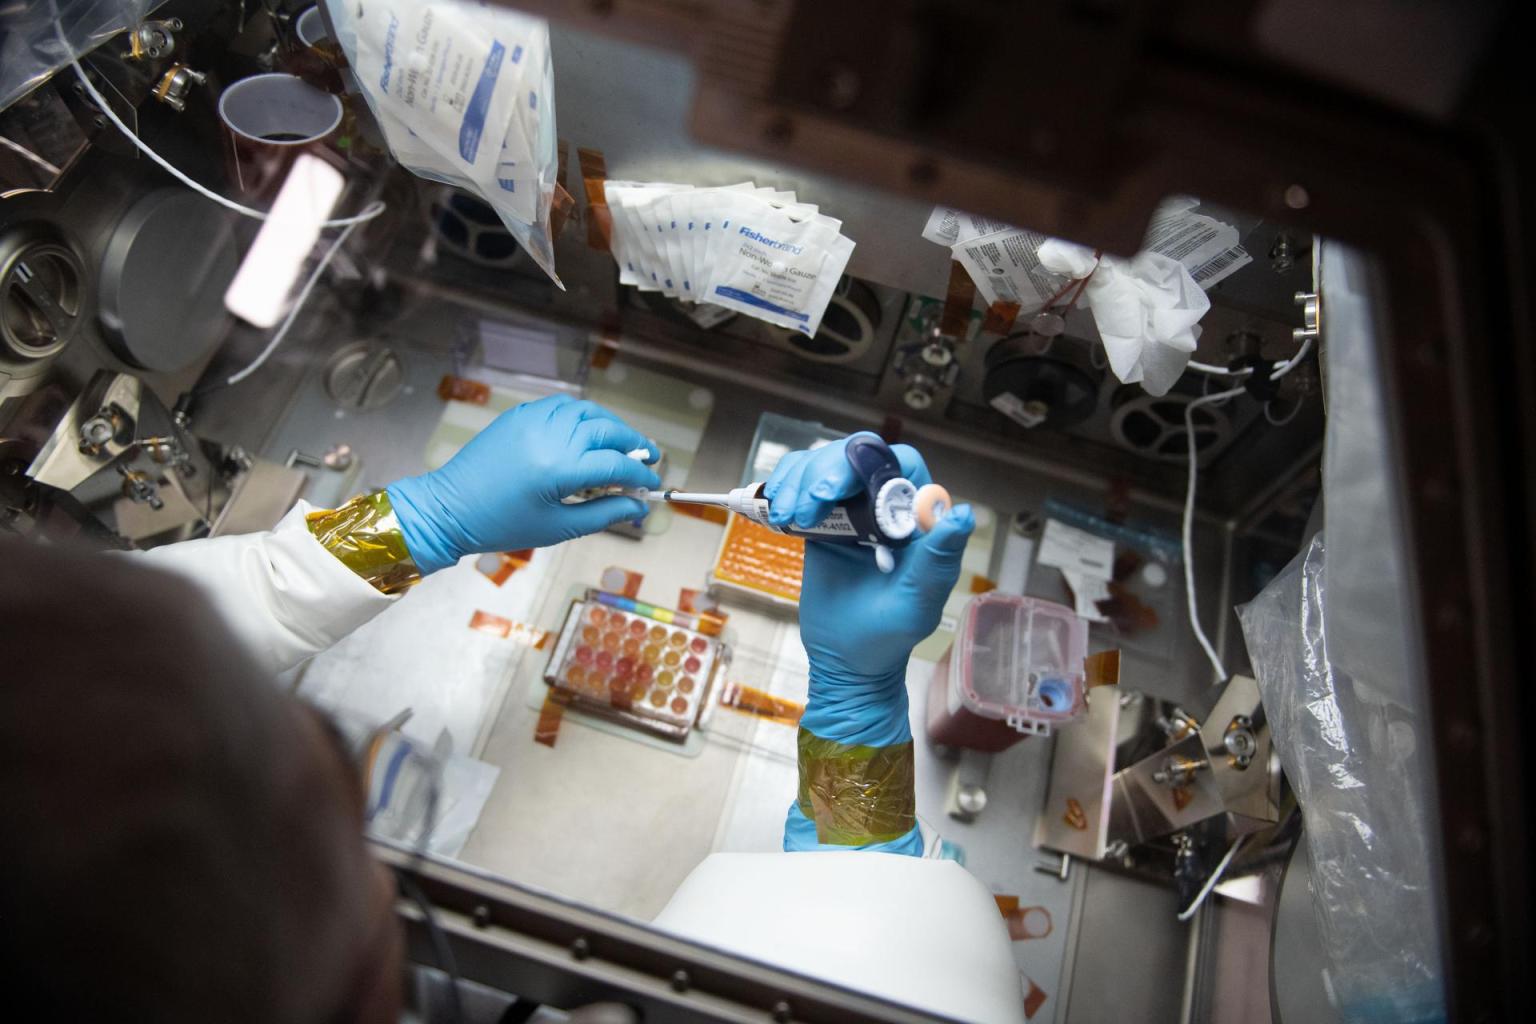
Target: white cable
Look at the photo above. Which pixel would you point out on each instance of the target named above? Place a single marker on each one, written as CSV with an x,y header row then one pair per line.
x,y
372,211
1290,364
298,304
1189,519
1279,371
1216,371
1295,408
1210,883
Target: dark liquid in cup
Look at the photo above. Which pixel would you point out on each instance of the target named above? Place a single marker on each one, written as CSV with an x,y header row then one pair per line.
x,y
284,137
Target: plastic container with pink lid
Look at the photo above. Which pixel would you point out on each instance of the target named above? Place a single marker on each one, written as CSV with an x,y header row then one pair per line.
x,y
1016,668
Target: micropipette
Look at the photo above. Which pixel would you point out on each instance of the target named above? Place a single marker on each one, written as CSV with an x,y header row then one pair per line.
x,y
884,516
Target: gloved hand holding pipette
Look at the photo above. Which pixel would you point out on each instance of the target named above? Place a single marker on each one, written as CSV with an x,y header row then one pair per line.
x,y
859,626
503,490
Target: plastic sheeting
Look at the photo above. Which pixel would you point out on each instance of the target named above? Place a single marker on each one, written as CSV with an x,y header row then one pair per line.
x,y
1358,765
1368,613
30,48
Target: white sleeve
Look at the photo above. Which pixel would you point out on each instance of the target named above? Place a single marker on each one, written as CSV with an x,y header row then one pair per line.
x,y
284,595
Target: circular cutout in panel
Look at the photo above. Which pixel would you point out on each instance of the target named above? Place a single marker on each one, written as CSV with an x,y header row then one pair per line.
x,y
367,375
42,292
1154,426
848,327
1033,389
469,228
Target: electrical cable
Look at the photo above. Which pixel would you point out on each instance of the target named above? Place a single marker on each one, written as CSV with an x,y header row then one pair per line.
x,y
1295,408
347,224
369,213
1210,883
293,313
1215,371
1188,530
1280,371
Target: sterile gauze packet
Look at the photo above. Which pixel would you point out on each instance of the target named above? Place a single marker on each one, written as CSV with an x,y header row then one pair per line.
x,y
776,268
637,267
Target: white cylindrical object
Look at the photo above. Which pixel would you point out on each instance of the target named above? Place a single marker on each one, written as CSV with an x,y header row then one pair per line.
x,y
310,27
279,110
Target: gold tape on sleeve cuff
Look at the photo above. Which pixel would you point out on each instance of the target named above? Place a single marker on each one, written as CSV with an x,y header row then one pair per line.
x,y
365,535
856,795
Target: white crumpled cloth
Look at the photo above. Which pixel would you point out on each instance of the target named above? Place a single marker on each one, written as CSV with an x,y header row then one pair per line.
x,y
1147,309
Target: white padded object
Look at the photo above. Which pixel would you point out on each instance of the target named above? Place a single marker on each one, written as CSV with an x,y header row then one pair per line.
x,y
281,593
921,932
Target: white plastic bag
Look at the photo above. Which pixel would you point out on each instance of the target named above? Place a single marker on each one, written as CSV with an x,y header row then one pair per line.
x,y
30,47
1360,768
465,95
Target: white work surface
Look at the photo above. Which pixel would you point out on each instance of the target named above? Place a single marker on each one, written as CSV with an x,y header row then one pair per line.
x,y
619,823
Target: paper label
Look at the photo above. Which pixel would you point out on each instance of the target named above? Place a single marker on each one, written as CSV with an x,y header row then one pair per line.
x,y
1206,247
1087,592
1018,410
1006,267
951,227
1074,550
837,523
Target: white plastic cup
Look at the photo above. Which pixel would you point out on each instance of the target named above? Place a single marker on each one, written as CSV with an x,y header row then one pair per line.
x,y
279,110
310,27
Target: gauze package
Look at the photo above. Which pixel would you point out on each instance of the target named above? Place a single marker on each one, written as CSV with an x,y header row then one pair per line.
x,y
1147,310
464,93
733,248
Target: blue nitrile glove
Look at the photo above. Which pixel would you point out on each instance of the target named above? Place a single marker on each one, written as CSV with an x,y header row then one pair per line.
x,y
859,625
502,491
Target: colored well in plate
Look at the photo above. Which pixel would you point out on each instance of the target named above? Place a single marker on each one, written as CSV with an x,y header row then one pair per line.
x,y
699,645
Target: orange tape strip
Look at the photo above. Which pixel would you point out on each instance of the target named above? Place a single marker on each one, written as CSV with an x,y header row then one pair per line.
x,y
594,171
460,389
708,513
1033,1000
495,625
624,582
607,341
561,206
1027,922
751,701
1000,317
958,300
1102,669
980,584
547,729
